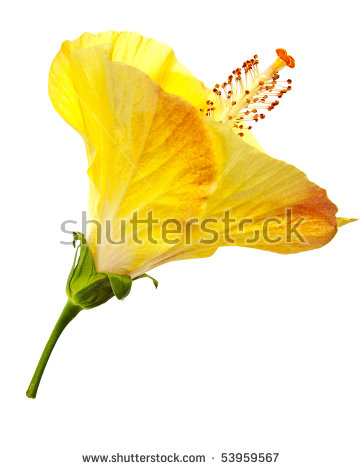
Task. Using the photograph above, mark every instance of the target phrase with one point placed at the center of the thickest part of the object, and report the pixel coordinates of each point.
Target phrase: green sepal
(88, 288)
(121, 285)
(155, 282)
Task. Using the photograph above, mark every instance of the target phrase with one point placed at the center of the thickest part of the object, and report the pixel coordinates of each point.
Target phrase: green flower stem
(70, 311)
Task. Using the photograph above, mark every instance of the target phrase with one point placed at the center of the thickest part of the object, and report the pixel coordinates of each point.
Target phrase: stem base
(69, 312)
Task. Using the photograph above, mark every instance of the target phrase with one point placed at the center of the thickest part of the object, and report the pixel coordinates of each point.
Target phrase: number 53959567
(249, 457)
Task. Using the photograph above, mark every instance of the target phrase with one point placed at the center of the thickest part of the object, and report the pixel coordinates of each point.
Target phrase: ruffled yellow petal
(255, 185)
(159, 62)
(152, 57)
(272, 205)
(147, 150)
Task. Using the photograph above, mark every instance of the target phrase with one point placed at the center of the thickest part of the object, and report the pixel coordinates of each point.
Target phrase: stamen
(247, 92)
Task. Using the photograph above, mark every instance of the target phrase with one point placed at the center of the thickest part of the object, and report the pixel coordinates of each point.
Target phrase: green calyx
(88, 288)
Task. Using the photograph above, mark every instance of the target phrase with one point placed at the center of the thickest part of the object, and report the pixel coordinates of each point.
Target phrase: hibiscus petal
(279, 208)
(152, 57)
(159, 62)
(147, 150)
(263, 196)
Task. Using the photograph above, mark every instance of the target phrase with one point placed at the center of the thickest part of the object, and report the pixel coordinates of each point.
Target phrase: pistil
(247, 92)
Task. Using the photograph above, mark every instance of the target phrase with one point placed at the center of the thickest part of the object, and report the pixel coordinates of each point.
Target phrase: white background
(245, 351)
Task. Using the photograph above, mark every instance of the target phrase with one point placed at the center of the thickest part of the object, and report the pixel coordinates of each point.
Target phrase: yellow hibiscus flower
(167, 155)
(150, 148)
